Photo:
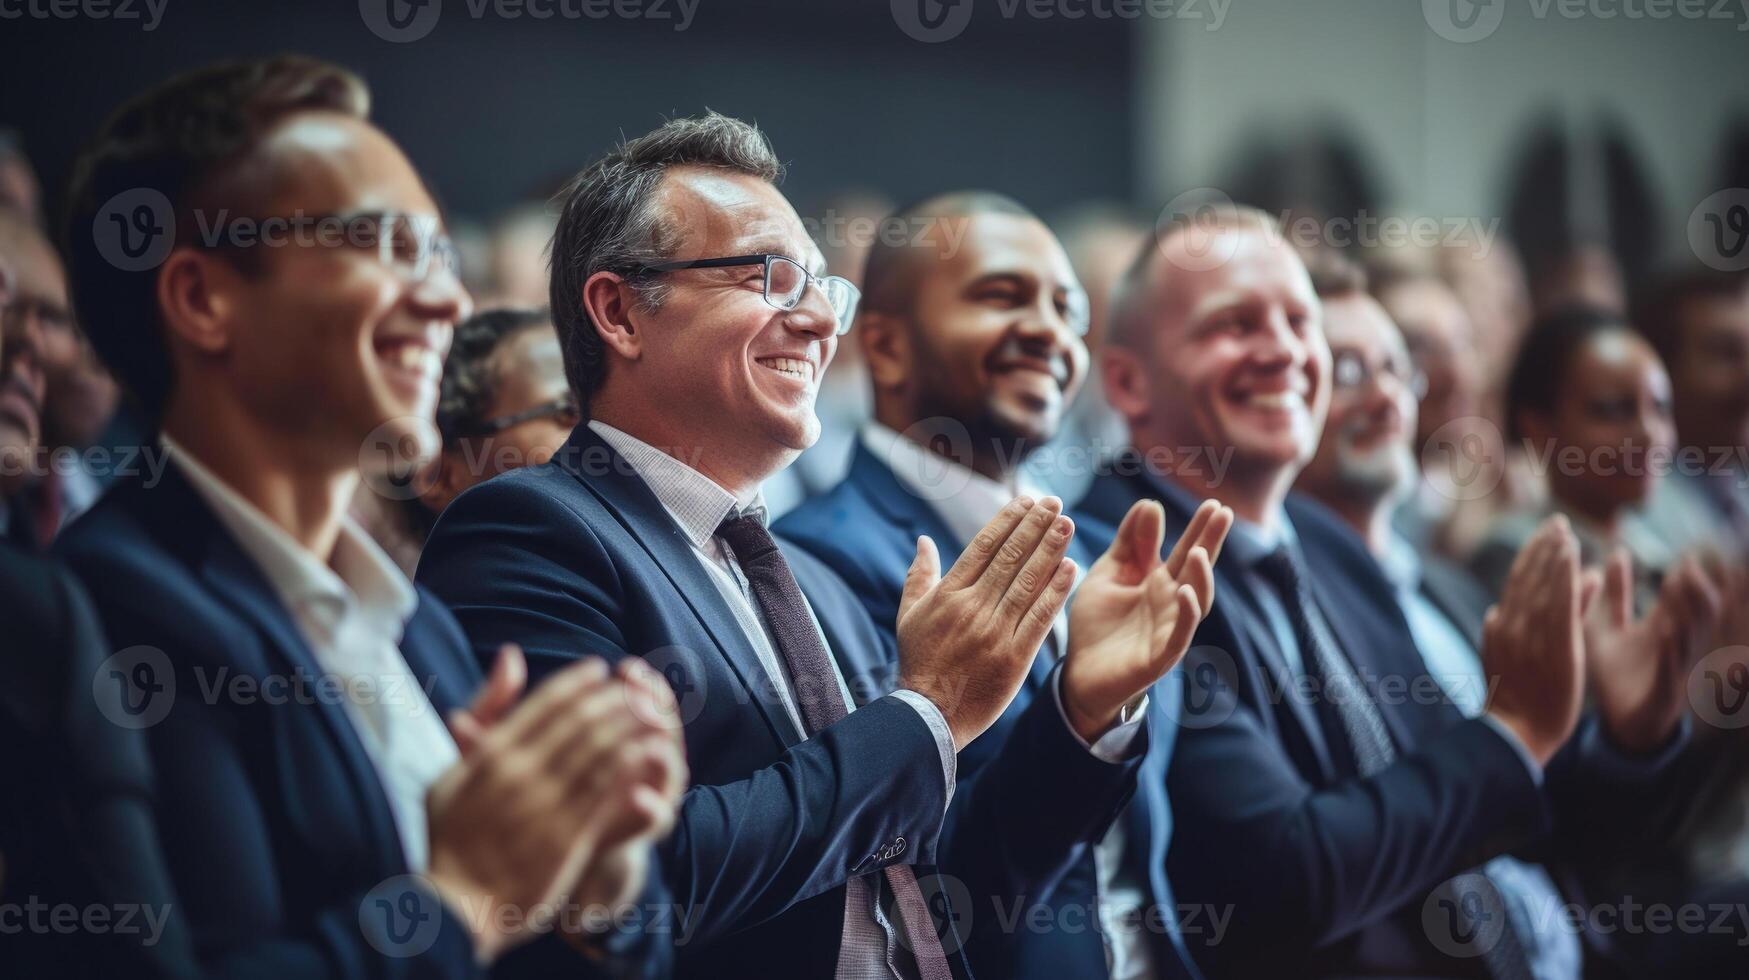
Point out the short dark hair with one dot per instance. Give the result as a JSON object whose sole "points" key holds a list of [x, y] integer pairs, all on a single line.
{"points": [[609, 222], [889, 279], [1539, 372], [1660, 312], [470, 378], [177, 139]]}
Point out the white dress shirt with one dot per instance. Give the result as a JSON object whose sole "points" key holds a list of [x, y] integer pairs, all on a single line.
{"points": [[870, 948], [965, 501], [351, 611]]}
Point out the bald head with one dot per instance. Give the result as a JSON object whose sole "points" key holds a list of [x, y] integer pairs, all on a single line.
{"points": [[1191, 244], [934, 229]]}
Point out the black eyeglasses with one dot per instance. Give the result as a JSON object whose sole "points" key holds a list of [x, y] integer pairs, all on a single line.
{"points": [[564, 408], [785, 282]]}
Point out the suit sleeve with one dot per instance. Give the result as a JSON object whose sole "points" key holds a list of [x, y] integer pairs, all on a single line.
{"points": [[1303, 867], [1026, 812], [744, 850]]}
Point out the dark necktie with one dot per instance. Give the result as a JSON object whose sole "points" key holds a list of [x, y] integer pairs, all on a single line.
{"points": [[821, 703], [1478, 916]]}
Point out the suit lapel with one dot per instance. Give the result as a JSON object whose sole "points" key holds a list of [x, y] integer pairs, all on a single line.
{"points": [[236, 580], [634, 505]]}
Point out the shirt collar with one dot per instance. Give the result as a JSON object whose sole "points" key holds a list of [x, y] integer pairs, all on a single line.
{"points": [[358, 569], [974, 500], [695, 501]]}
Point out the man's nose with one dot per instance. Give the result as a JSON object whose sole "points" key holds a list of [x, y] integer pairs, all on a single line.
{"points": [[441, 296], [812, 314]]}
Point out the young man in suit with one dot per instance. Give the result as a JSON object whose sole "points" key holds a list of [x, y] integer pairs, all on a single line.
{"points": [[697, 318], [1353, 823], [973, 342], [317, 817]]}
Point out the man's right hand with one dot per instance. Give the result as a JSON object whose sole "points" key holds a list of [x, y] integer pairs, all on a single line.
{"points": [[1533, 643], [570, 771], [967, 639]]}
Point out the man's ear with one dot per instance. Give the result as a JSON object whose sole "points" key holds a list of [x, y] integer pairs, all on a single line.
{"points": [[1126, 383], [886, 348], [609, 300], [197, 293]]}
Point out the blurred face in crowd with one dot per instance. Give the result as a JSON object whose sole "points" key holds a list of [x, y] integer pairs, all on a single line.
{"points": [[22, 386], [81, 395], [715, 366], [1442, 344], [1710, 370], [993, 335], [361, 355], [1613, 408], [1365, 456], [1231, 355], [529, 387]]}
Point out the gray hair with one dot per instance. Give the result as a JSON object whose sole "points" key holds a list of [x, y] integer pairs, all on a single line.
{"points": [[610, 223]]}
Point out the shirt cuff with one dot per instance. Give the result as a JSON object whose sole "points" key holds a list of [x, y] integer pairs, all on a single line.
{"points": [[1115, 745], [937, 723], [1530, 764], [1603, 754]]}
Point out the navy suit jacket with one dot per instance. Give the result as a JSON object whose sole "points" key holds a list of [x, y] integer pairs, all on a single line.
{"points": [[76, 790], [1328, 873], [1027, 783], [577, 556], [1324, 873], [273, 822]]}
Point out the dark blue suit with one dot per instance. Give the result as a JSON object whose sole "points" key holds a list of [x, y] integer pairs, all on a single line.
{"points": [[1027, 783], [272, 818], [577, 556], [1328, 873]]}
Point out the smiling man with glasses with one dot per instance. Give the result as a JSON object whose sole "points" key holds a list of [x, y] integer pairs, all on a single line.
{"points": [[696, 317]]}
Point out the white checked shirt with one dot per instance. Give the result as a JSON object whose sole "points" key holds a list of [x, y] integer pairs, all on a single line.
{"points": [[965, 501], [351, 611], [869, 948]]}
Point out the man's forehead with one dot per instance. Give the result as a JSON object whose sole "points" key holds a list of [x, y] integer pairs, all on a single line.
{"points": [[736, 213], [992, 242], [1201, 270], [330, 162]]}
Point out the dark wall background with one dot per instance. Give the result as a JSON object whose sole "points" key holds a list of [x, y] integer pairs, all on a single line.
{"points": [[494, 110]]}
